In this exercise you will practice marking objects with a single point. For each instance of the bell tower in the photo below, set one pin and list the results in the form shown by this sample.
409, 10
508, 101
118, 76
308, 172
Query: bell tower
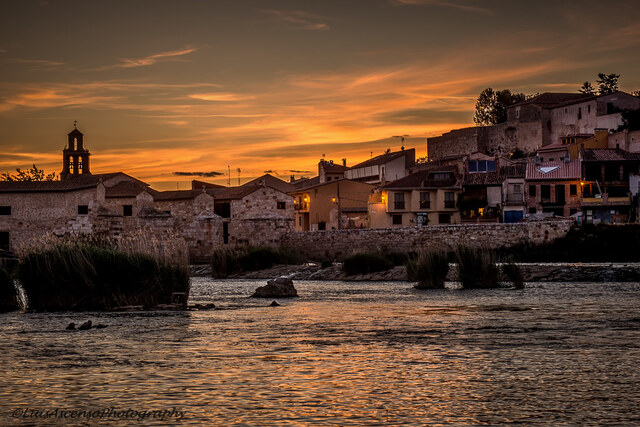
75, 158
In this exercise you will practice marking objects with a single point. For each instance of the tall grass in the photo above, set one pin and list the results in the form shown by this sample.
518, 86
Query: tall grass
228, 261
429, 269
365, 263
81, 272
513, 272
476, 267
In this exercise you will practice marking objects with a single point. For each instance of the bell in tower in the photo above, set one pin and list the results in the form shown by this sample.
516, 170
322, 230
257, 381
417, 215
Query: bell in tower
75, 158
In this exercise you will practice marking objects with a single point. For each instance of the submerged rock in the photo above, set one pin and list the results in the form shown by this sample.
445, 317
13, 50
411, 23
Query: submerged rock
86, 325
282, 287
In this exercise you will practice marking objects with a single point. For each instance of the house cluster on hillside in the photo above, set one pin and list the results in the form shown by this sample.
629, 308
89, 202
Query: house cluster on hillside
575, 169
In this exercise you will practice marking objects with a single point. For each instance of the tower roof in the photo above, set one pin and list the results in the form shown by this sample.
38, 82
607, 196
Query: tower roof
75, 132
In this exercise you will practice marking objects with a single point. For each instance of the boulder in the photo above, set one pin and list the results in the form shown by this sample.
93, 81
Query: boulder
282, 287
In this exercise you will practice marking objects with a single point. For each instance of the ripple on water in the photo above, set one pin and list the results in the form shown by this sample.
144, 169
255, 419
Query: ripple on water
343, 353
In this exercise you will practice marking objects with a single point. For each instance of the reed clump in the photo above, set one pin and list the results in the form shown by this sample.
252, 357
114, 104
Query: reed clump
229, 261
513, 273
477, 268
80, 272
429, 269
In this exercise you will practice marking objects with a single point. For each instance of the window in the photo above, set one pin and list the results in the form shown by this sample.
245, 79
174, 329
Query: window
579, 113
573, 211
481, 166
328, 178
127, 210
396, 219
398, 200
4, 240
425, 202
300, 221
545, 192
573, 190
5, 210
444, 218
532, 210
83, 210
281, 205
441, 176
322, 226
449, 200
532, 191
517, 189
225, 233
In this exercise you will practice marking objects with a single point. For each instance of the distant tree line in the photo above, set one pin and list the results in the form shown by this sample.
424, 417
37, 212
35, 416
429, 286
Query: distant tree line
33, 174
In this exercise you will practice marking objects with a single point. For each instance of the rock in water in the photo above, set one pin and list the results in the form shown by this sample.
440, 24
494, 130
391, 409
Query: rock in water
274, 303
86, 325
71, 327
282, 287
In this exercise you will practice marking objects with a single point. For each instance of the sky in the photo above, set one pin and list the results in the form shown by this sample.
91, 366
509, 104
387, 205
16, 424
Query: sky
170, 91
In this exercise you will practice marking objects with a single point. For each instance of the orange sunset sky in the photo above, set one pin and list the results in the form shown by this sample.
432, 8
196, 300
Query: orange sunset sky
160, 87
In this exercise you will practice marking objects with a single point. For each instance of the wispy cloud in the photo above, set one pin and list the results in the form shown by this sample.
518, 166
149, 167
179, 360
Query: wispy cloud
463, 5
299, 19
151, 59
36, 63
202, 174
220, 96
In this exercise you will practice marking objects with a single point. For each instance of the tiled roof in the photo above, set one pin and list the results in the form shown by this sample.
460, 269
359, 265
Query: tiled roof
197, 185
555, 170
423, 179
484, 178
124, 189
233, 193
334, 168
608, 155
306, 183
384, 158
176, 195
273, 182
77, 183
554, 100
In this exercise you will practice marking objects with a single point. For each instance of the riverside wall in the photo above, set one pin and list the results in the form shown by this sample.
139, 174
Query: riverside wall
336, 244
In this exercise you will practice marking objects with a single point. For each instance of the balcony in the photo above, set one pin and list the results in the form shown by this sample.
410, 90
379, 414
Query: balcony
301, 206
605, 200
398, 206
449, 204
425, 204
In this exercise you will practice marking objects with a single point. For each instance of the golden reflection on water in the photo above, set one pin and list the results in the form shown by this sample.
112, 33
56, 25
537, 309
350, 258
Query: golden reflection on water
345, 354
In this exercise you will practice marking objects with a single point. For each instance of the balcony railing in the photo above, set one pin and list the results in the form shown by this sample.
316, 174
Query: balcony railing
398, 205
425, 204
301, 206
605, 199
515, 198
449, 204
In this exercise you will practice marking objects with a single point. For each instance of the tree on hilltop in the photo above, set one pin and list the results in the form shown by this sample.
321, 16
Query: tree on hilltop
587, 88
33, 174
491, 106
607, 83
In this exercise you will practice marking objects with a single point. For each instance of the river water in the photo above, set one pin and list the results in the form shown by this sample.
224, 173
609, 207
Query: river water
340, 354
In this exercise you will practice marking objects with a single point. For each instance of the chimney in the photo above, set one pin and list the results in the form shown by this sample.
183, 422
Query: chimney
292, 178
344, 162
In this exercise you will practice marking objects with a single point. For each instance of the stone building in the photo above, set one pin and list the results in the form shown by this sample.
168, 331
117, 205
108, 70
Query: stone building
607, 196
319, 206
553, 187
116, 203
426, 197
536, 123
383, 168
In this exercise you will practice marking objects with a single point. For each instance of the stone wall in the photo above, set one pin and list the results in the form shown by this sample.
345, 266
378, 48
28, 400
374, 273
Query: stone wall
335, 244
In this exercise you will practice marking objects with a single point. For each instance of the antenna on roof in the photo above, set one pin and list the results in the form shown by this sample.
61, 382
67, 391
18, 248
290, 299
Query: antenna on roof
229, 181
238, 177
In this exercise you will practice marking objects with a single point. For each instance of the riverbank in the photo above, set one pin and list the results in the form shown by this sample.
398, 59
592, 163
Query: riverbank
532, 272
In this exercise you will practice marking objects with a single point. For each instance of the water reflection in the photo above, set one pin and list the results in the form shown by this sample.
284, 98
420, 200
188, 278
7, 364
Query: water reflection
343, 353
